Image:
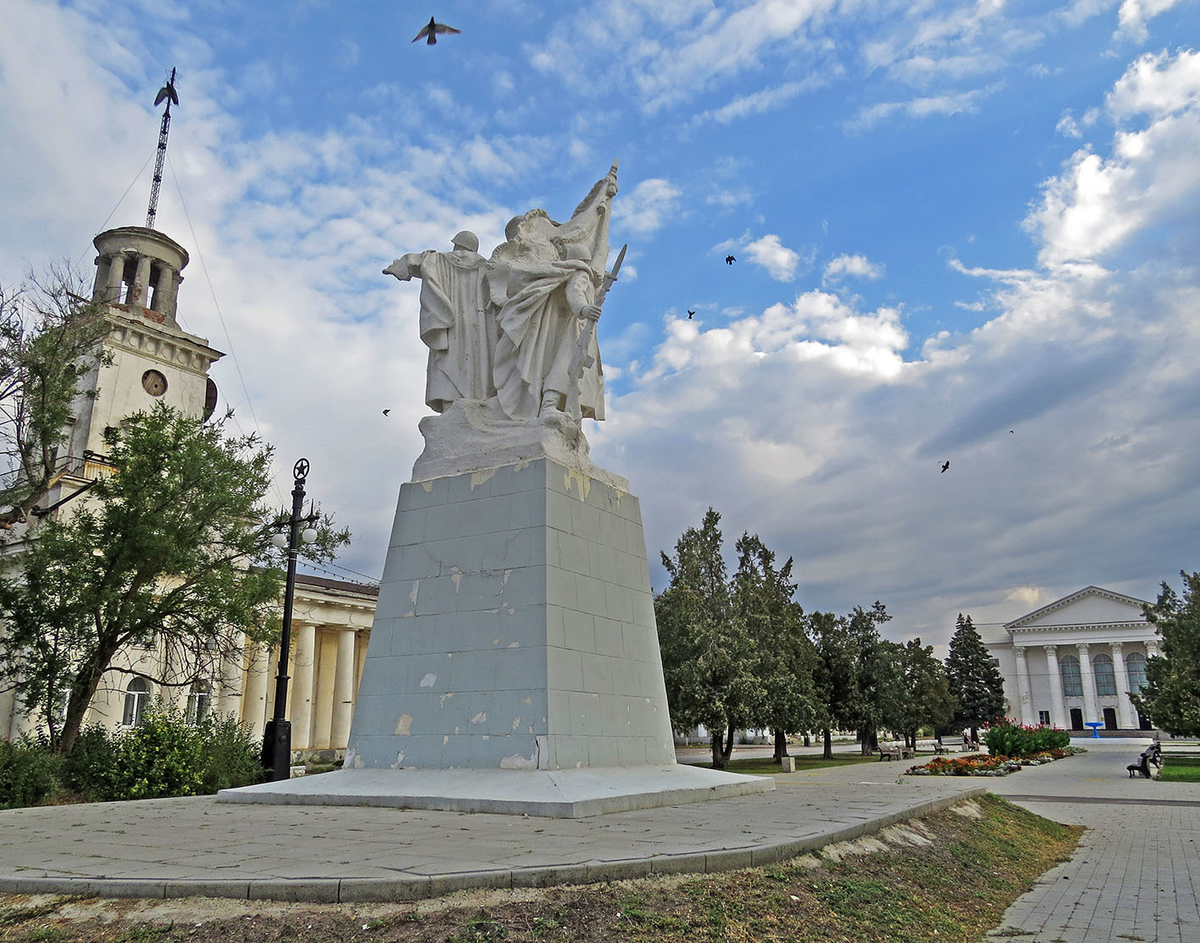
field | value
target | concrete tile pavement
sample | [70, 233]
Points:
[198, 846]
[1136, 875]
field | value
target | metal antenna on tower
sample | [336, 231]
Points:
[166, 93]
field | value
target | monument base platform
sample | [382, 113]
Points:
[568, 793]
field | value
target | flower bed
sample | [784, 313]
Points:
[980, 765]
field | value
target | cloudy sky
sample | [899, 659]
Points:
[965, 232]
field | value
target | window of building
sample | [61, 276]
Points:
[137, 696]
[1106, 680]
[1135, 667]
[1072, 680]
[1044, 718]
[199, 703]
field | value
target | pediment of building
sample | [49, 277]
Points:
[1091, 606]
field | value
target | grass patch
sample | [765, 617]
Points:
[951, 891]
[1174, 771]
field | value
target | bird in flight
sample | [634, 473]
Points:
[691, 314]
[729, 260]
[386, 411]
[431, 29]
[945, 466]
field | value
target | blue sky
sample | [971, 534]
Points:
[951, 219]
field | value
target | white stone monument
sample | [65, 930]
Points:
[513, 664]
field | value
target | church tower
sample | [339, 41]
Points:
[148, 358]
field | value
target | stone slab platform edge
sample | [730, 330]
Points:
[412, 887]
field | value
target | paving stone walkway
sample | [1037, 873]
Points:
[197, 846]
[1136, 875]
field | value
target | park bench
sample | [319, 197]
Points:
[940, 748]
[1152, 754]
[897, 751]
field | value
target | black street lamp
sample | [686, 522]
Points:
[277, 740]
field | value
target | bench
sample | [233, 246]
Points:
[940, 748]
[896, 752]
[1152, 754]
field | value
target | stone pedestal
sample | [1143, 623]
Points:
[514, 638]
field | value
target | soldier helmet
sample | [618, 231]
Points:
[466, 240]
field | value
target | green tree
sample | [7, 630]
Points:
[49, 340]
[926, 697]
[975, 680]
[835, 675]
[168, 550]
[1171, 694]
[706, 650]
[876, 675]
[784, 655]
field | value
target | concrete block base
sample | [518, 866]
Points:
[572, 793]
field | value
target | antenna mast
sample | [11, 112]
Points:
[167, 93]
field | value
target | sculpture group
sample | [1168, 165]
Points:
[512, 337]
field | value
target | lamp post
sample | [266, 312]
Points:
[277, 740]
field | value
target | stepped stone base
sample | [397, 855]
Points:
[514, 663]
[574, 793]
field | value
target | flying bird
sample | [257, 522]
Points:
[386, 411]
[691, 314]
[431, 30]
[729, 260]
[945, 466]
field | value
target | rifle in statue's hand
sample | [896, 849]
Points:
[581, 359]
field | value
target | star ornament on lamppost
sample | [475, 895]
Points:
[277, 740]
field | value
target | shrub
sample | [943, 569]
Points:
[1005, 738]
[27, 773]
[231, 757]
[162, 756]
[90, 768]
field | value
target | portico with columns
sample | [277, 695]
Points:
[1075, 661]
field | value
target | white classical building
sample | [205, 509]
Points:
[1075, 661]
[150, 358]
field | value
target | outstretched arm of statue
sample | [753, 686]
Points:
[579, 297]
[406, 266]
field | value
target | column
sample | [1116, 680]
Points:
[141, 282]
[343, 691]
[1091, 710]
[1025, 710]
[302, 686]
[323, 698]
[1058, 712]
[254, 701]
[1152, 648]
[116, 270]
[1126, 718]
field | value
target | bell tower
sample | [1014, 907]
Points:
[148, 357]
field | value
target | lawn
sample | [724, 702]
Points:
[1180, 769]
[949, 881]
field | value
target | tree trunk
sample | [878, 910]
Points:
[83, 689]
[718, 755]
[729, 744]
[807, 741]
[827, 735]
[780, 745]
[864, 743]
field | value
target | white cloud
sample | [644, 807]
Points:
[1134, 14]
[648, 206]
[779, 261]
[926, 107]
[1098, 203]
[858, 266]
[1067, 126]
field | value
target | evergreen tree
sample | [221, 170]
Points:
[926, 697]
[784, 655]
[1171, 695]
[975, 679]
[708, 659]
[835, 676]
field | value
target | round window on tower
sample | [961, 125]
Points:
[154, 383]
